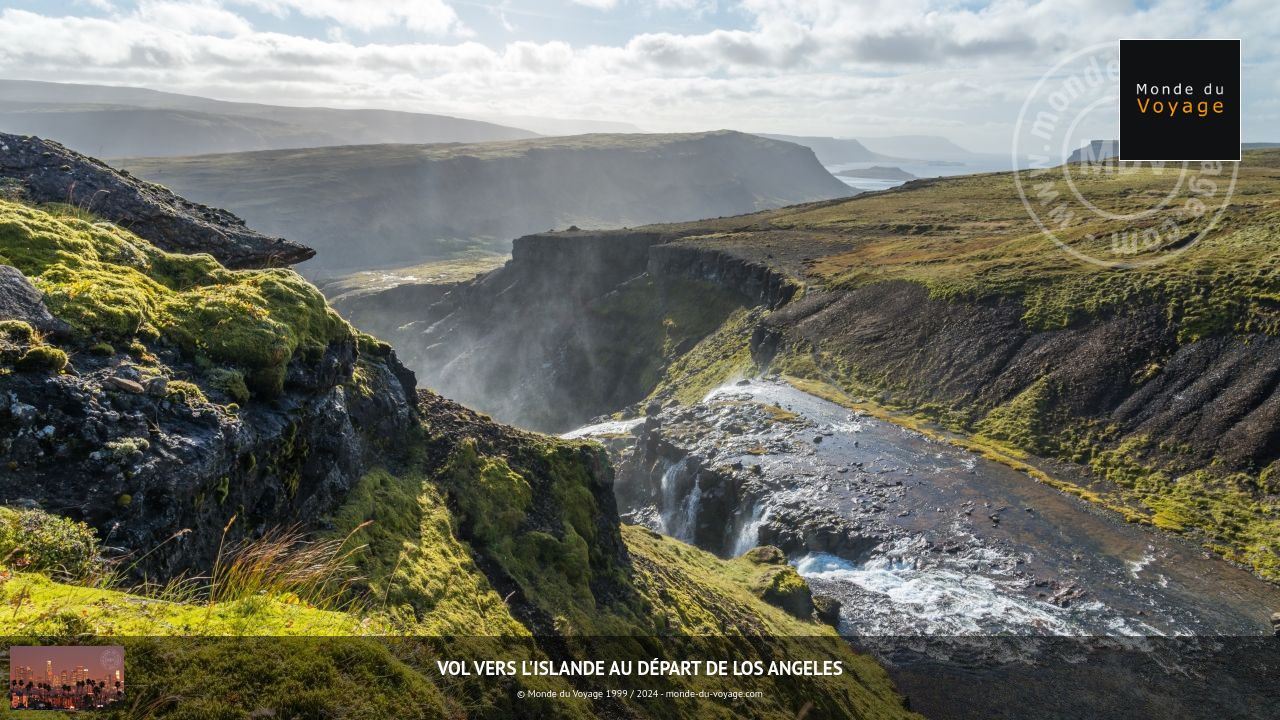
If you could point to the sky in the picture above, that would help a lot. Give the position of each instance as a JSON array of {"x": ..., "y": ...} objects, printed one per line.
[{"x": 807, "y": 67}]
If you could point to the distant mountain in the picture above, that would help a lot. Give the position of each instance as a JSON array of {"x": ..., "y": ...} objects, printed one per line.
[
  {"x": 920, "y": 147},
  {"x": 563, "y": 126},
  {"x": 1096, "y": 151},
  {"x": 832, "y": 151},
  {"x": 108, "y": 121},
  {"x": 878, "y": 172},
  {"x": 380, "y": 206}
]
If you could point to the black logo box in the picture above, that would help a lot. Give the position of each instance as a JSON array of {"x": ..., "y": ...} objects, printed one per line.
[{"x": 1180, "y": 65}]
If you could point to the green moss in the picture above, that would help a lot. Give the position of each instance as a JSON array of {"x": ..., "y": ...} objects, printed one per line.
[
  {"x": 42, "y": 358},
  {"x": 33, "y": 600},
  {"x": 37, "y": 541},
  {"x": 128, "y": 447},
  {"x": 18, "y": 331},
  {"x": 102, "y": 349},
  {"x": 1023, "y": 420},
  {"x": 111, "y": 285},
  {"x": 370, "y": 345},
  {"x": 783, "y": 587},
  {"x": 231, "y": 382},
  {"x": 185, "y": 392},
  {"x": 719, "y": 357}
]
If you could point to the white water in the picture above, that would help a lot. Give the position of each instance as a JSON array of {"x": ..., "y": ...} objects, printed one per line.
[
  {"x": 749, "y": 535},
  {"x": 670, "y": 501},
  {"x": 612, "y": 427},
  {"x": 936, "y": 601},
  {"x": 689, "y": 518}
]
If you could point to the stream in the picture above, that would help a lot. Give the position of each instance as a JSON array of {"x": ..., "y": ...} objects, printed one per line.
[{"x": 921, "y": 540}]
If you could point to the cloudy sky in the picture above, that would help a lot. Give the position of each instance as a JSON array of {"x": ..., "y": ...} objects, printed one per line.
[{"x": 826, "y": 67}]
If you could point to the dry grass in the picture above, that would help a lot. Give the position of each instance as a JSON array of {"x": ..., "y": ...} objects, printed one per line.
[{"x": 284, "y": 563}]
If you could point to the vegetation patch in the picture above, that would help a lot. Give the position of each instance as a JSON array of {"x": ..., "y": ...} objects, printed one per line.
[{"x": 112, "y": 286}]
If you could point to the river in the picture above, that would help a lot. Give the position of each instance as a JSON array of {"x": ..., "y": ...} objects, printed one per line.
[{"x": 932, "y": 541}]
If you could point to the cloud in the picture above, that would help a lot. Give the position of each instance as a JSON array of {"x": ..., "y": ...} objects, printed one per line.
[
  {"x": 801, "y": 66},
  {"x": 426, "y": 16},
  {"x": 597, "y": 4},
  {"x": 192, "y": 16}
]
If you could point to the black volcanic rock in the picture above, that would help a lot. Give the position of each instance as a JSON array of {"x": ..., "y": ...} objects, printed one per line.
[
  {"x": 48, "y": 172},
  {"x": 20, "y": 300}
]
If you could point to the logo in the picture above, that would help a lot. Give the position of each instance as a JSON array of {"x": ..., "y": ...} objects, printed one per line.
[{"x": 1092, "y": 205}]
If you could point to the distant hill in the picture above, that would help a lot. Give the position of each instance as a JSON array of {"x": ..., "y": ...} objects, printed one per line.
[
  {"x": 564, "y": 126},
  {"x": 107, "y": 121},
  {"x": 1096, "y": 151},
  {"x": 832, "y": 151},
  {"x": 879, "y": 172},
  {"x": 379, "y": 206},
  {"x": 920, "y": 147}
]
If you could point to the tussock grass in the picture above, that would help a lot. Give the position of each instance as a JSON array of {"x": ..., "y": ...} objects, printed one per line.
[{"x": 284, "y": 563}]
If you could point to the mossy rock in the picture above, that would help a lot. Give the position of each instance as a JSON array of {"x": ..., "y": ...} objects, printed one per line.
[
  {"x": 17, "y": 331},
  {"x": 184, "y": 391},
  {"x": 230, "y": 382},
  {"x": 42, "y": 358},
  {"x": 112, "y": 286},
  {"x": 765, "y": 555},
  {"x": 784, "y": 588}
]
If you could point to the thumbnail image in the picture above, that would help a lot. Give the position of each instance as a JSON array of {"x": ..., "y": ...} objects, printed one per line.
[{"x": 88, "y": 677}]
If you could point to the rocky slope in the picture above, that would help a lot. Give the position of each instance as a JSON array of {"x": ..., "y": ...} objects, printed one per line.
[
  {"x": 382, "y": 206},
  {"x": 1151, "y": 391},
  {"x": 188, "y": 450},
  {"x": 41, "y": 171}
]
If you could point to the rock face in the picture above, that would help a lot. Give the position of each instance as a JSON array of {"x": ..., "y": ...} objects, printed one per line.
[
  {"x": 154, "y": 435},
  {"x": 140, "y": 462},
  {"x": 555, "y": 337},
  {"x": 982, "y": 355},
  {"x": 42, "y": 171}
]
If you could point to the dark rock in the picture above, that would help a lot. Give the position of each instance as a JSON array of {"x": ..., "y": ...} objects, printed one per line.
[
  {"x": 827, "y": 609},
  {"x": 20, "y": 300},
  {"x": 150, "y": 211},
  {"x": 157, "y": 386}
]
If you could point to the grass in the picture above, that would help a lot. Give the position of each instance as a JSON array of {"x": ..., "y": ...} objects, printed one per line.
[
  {"x": 719, "y": 357},
  {"x": 969, "y": 238},
  {"x": 284, "y": 562}
]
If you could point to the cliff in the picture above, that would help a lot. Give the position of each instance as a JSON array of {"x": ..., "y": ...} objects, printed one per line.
[
  {"x": 1150, "y": 391},
  {"x": 382, "y": 206}
]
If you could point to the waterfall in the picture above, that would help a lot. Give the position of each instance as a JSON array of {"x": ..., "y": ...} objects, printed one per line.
[
  {"x": 689, "y": 526},
  {"x": 749, "y": 534},
  {"x": 670, "y": 491}
]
